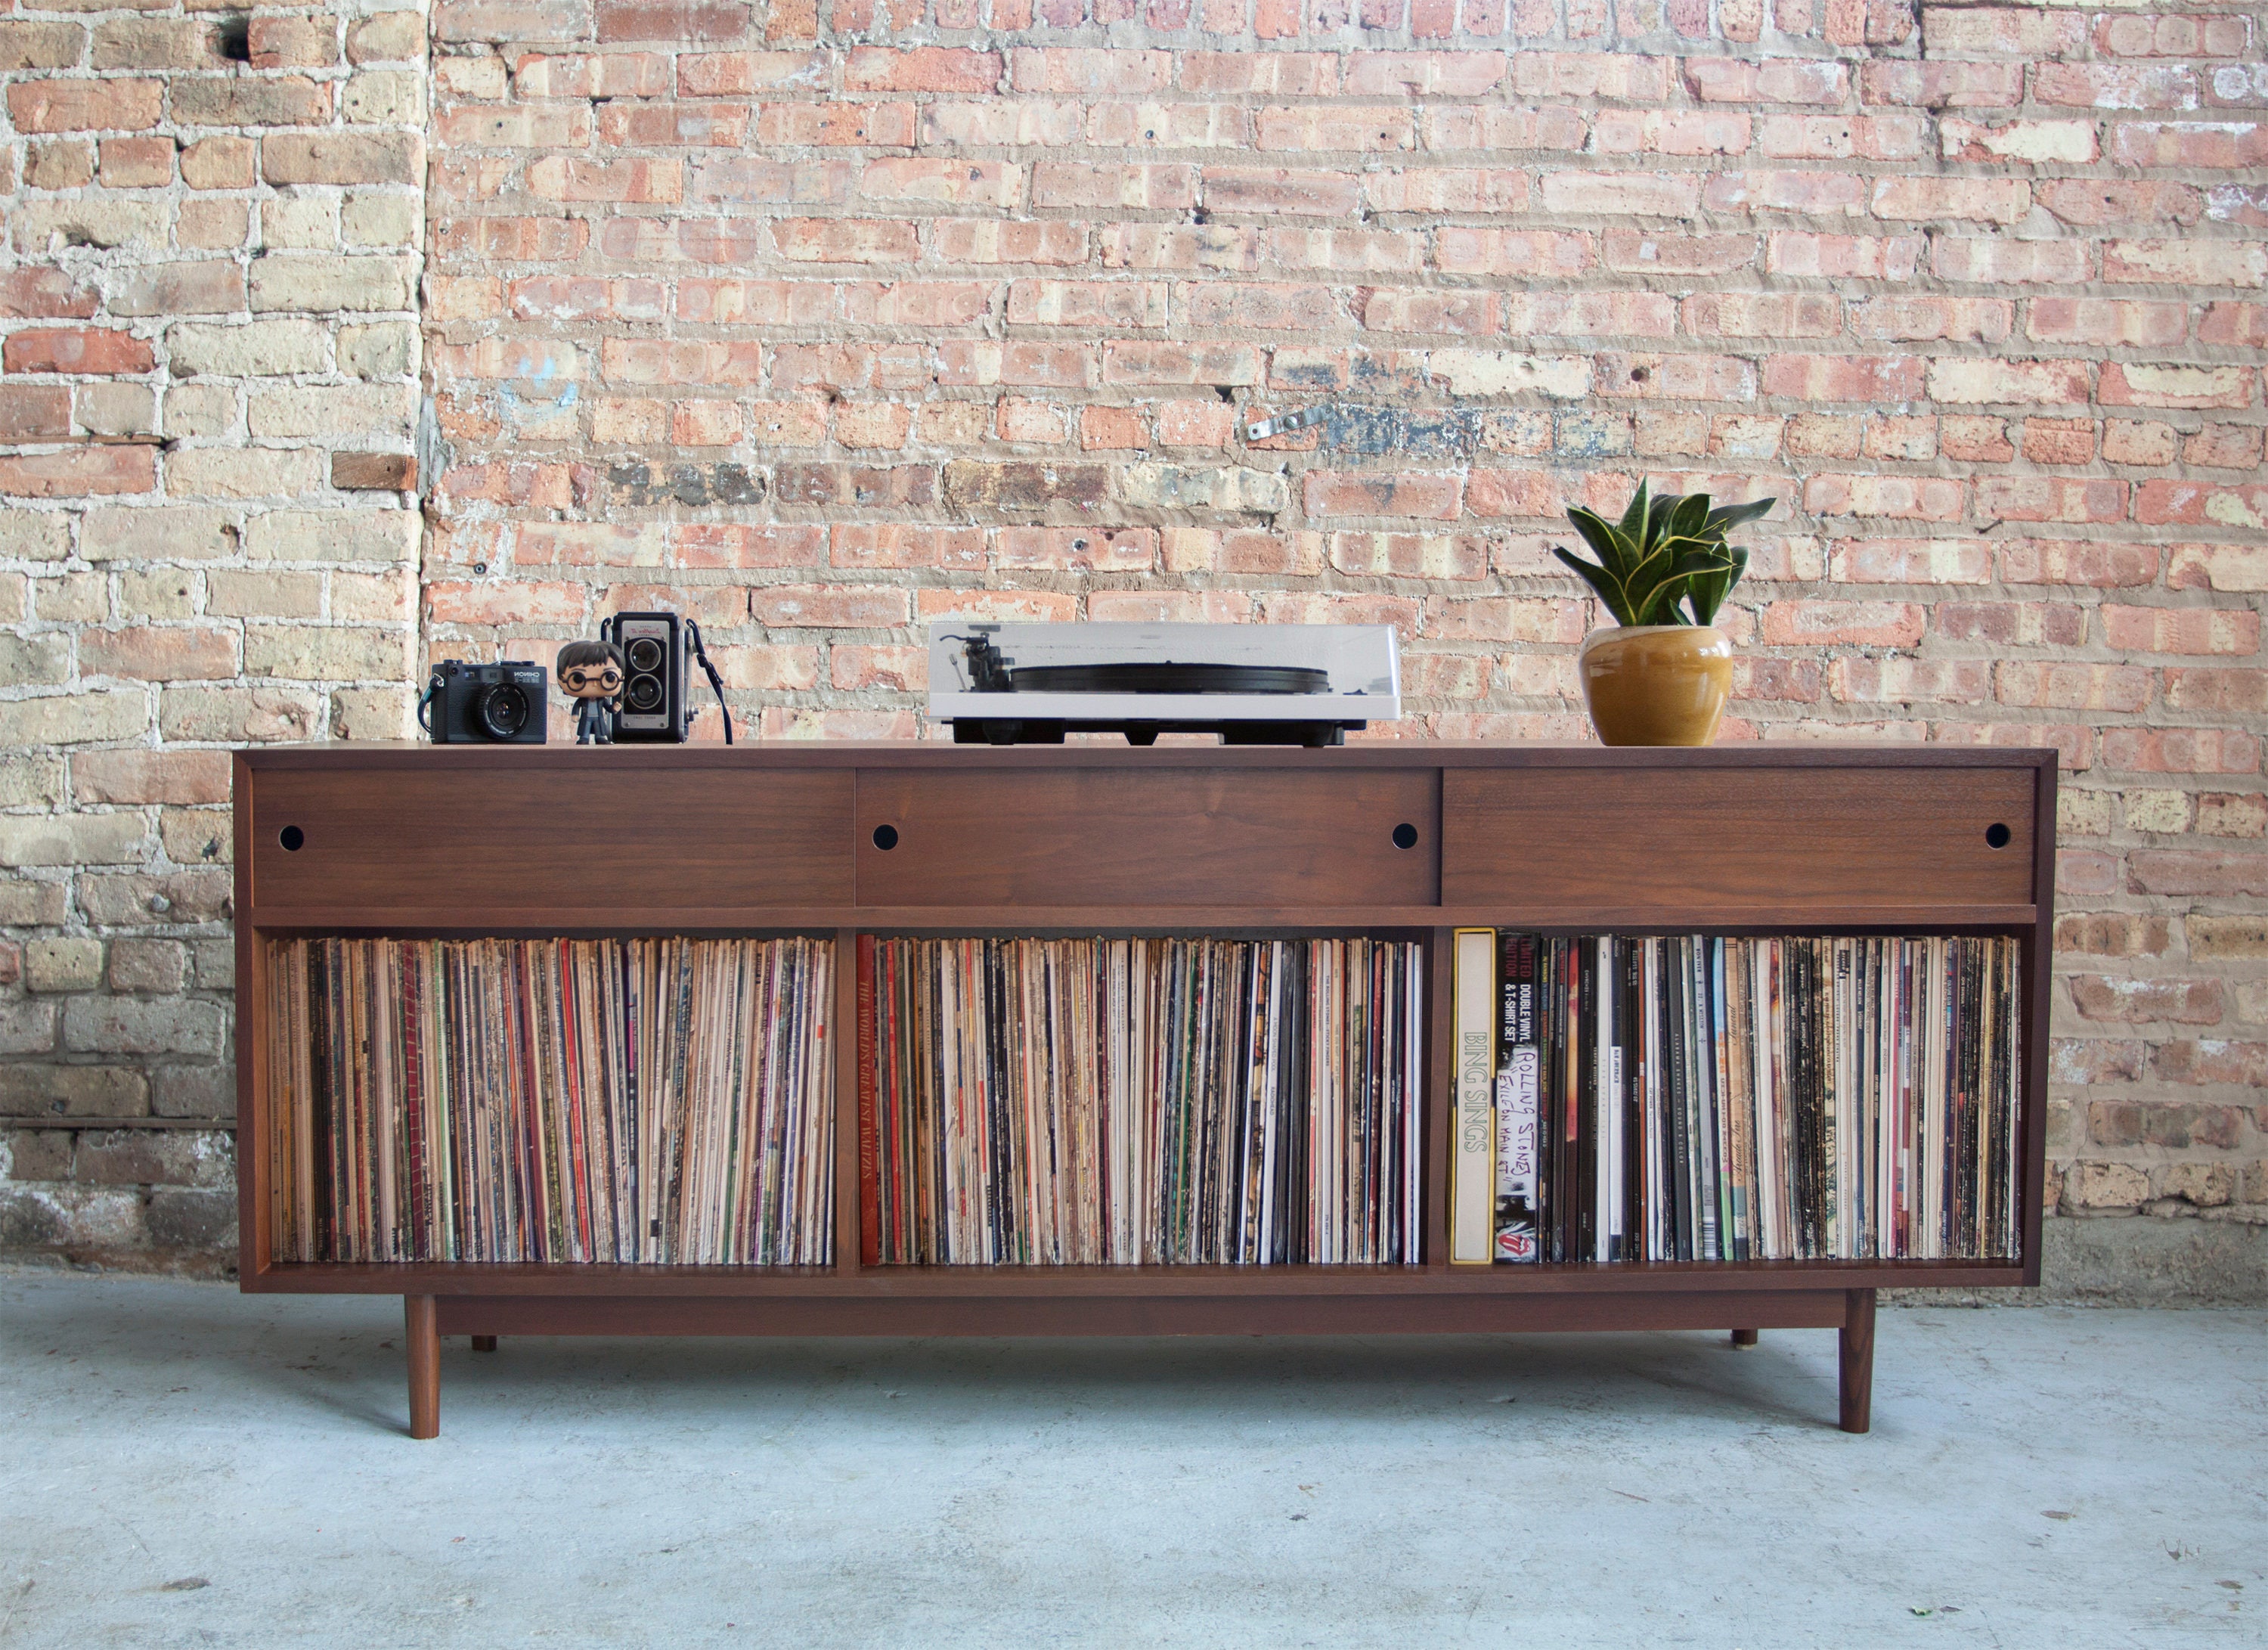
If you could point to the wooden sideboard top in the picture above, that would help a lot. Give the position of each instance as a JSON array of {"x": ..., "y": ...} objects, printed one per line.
[{"x": 938, "y": 754}]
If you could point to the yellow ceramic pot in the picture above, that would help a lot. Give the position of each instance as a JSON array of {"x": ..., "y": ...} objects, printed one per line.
[{"x": 1657, "y": 684}]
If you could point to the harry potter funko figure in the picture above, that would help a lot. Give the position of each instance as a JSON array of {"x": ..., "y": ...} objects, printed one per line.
[{"x": 591, "y": 673}]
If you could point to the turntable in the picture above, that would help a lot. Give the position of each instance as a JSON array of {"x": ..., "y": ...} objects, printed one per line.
[{"x": 1251, "y": 684}]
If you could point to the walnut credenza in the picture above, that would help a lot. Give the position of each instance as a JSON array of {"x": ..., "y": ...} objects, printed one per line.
[{"x": 1409, "y": 840}]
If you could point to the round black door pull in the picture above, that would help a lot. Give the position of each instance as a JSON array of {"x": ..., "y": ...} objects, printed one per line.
[
  {"x": 885, "y": 837},
  {"x": 292, "y": 838},
  {"x": 1405, "y": 835},
  {"x": 1997, "y": 836}
]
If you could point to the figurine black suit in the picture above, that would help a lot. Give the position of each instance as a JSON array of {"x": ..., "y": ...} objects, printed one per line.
[{"x": 591, "y": 673}]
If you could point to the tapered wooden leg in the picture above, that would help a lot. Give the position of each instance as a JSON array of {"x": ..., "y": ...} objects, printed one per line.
[
  {"x": 1856, "y": 1346},
  {"x": 484, "y": 1342},
  {"x": 1744, "y": 1337},
  {"x": 424, "y": 1326}
]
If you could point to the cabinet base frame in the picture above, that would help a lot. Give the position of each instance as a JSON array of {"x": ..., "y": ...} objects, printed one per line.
[{"x": 1850, "y": 1312}]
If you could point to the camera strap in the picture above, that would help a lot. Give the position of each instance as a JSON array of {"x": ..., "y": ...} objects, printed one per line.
[
  {"x": 715, "y": 682},
  {"x": 425, "y": 706}
]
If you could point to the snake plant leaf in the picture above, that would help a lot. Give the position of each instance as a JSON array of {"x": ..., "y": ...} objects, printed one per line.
[
  {"x": 1707, "y": 593},
  {"x": 1634, "y": 519},
  {"x": 1611, "y": 593},
  {"x": 1688, "y": 516},
  {"x": 1727, "y": 516},
  {"x": 1616, "y": 551}
]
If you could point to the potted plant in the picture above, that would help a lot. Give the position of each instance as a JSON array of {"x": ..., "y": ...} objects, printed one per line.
[{"x": 1661, "y": 676}]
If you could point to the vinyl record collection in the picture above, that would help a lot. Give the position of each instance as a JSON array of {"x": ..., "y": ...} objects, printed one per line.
[
  {"x": 1707, "y": 1099},
  {"x": 659, "y": 1101},
  {"x": 1129, "y": 1101}
]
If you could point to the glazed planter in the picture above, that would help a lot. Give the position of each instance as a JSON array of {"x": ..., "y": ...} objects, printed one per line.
[{"x": 1657, "y": 684}]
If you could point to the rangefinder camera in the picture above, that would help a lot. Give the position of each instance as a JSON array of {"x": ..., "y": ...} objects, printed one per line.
[{"x": 496, "y": 704}]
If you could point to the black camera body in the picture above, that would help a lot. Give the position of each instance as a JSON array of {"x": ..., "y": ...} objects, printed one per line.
[
  {"x": 486, "y": 705},
  {"x": 653, "y": 708}
]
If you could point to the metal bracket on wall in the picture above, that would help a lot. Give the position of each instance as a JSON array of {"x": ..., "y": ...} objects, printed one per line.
[{"x": 1305, "y": 418}]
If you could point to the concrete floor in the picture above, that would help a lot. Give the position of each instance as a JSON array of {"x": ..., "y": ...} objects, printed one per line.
[{"x": 181, "y": 1464}]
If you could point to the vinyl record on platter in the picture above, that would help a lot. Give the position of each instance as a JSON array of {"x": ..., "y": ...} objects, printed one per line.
[{"x": 1169, "y": 678}]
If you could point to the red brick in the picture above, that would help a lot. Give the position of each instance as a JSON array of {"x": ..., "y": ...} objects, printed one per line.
[
  {"x": 1826, "y": 194},
  {"x": 2069, "y": 562},
  {"x": 36, "y": 412},
  {"x": 2227, "y": 145},
  {"x": 568, "y": 178},
  {"x": 1331, "y": 493},
  {"x": 844, "y": 239},
  {"x": 94, "y": 470},
  {"x": 75, "y": 349},
  {"x": 2215, "y": 1060},
  {"x": 2116, "y": 85},
  {"x": 2011, "y": 262},
  {"x": 672, "y": 125},
  {"x": 519, "y": 601},
  {"x": 2172, "y": 36},
  {"x": 2239, "y": 692},
  {"x": 1679, "y": 377},
  {"x": 2245, "y": 324},
  {"x": 1093, "y": 73},
  {"x": 925, "y": 69},
  {"x": 1906, "y": 319},
  {"x": 1275, "y": 190},
  {"x": 2224, "y": 447},
  {"x": 2180, "y": 750},
  {"x": 1763, "y": 315},
  {"x": 887, "y": 125},
  {"x": 2097, "y": 202},
  {"x": 1911, "y": 562},
  {"x": 1624, "y": 77},
  {"x": 1425, "y": 74},
  {"x": 831, "y": 607},
  {"x": 1097, "y": 549},
  {"x": 2112, "y": 934},
  {"x": 2184, "y": 631},
  {"x": 860, "y": 546},
  {"x": 2106, "y": 320},
  {"x": 1868, "y": 378},
  {"x": 1636, "y": 251},
  {"x": 1815, "y": 623},
  {"x": 159, "y": 653},
  {"x": 1875, "y": 257},
  {"x": 2011, "y": 624},
  {"x": 1520, "y": 494},
  {"x": 693, "y": 22},
  {"x": 1464, "y": 250},
  {"x": 1942, "y": 85},
  {"x": 2049, "y": 499},
  {"x": 2183, "y": 1002},
  {"x": 2160, "y": 502},
  {"x": 2091, "y": 1060},
  {"x": 1112, "y": 427},
  {"x": 2072, "y": 687},
  {"x": 1868, "y": 681},
  {"x": 2059, "y": 441},
  {"x": 84, "y": 105},
  {"x": 46, "y": 293},
  {"x": 1975, "y": 199},
  {"x": 716, "y": 544}
]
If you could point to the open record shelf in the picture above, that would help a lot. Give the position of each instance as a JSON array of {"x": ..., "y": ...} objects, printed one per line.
[{"x": 1086, "y": 840}]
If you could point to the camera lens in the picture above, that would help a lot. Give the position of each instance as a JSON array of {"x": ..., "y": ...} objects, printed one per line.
[
  {"x": 502, "y": 711},
  {"x": 644, "y": 693},
  {"x": 645, "y": 654}
]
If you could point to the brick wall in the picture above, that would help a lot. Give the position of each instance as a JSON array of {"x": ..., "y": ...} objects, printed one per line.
[
  {"x": 815, "y": 321},
  {"x": 208, "y": 335}
]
